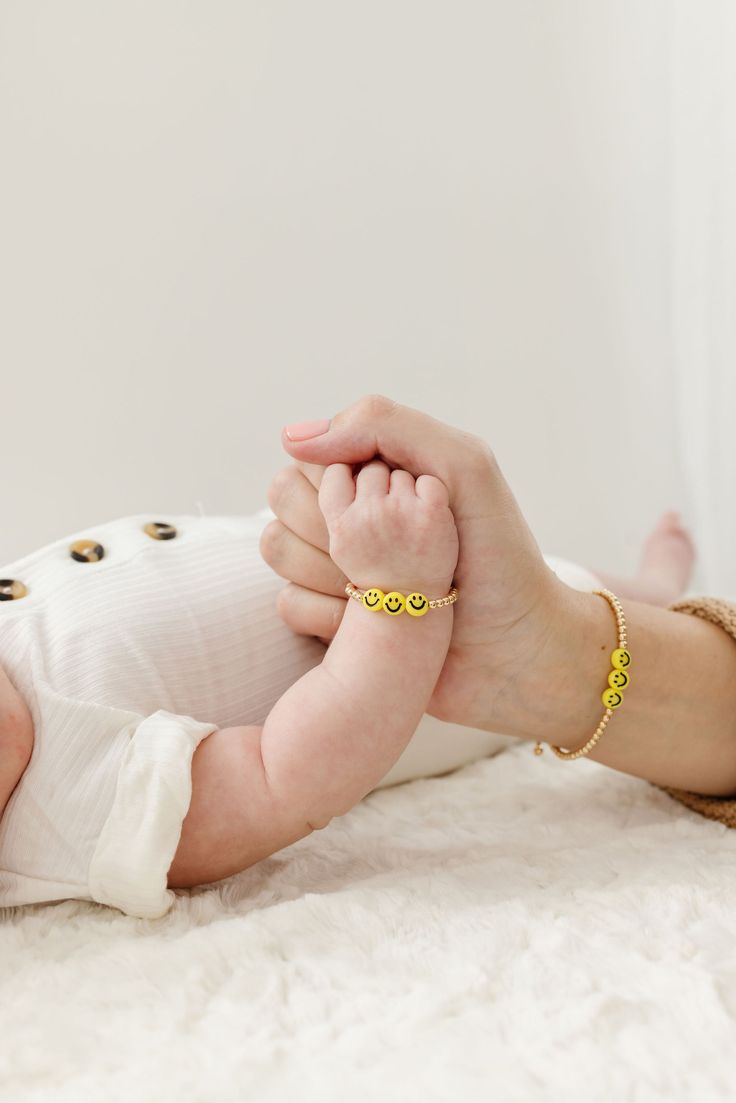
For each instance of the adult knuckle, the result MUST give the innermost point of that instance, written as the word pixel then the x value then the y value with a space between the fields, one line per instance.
pixel 480 452
pixel 368 408
pixel 271 543
pixel 281 487
pixel 375 406
pixel 286 601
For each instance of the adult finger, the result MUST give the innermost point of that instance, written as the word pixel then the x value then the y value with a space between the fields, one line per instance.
pixel 296 560
pixel 310 613
pixel 293 498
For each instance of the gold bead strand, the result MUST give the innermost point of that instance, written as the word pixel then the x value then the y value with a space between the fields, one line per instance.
pixel 620 660
pixel 435 603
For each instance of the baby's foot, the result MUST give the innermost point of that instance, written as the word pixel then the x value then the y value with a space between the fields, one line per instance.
pixel 667 558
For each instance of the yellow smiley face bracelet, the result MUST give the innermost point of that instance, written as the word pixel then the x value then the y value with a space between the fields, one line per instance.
pixel 394 603
pixel 618 679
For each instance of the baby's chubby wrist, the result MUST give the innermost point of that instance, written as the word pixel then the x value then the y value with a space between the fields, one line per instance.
pixel 425 630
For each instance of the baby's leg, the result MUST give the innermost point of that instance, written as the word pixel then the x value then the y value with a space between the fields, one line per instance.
pixel 665 565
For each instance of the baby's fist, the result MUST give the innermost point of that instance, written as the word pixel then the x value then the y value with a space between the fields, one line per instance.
pixel 388 529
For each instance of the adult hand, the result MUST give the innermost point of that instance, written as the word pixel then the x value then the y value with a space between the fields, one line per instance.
pixel 296 546
pixel 508 597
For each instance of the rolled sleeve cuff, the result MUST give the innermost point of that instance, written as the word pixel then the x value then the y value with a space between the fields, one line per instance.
pixel 138 841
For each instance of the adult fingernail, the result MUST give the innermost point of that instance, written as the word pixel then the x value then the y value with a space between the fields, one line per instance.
pixel 304 430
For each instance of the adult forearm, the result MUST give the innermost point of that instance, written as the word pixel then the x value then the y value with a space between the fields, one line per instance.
pixel 677 725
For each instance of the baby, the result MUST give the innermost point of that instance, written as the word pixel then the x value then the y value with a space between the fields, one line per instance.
pixel 160 727
pixel 125 647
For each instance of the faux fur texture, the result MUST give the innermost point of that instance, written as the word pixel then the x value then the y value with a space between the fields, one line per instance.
pixel 522 929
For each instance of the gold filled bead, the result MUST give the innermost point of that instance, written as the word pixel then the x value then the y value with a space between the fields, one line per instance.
pixel 618 679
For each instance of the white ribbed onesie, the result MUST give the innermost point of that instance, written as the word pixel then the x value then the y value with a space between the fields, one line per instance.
pixel 126 665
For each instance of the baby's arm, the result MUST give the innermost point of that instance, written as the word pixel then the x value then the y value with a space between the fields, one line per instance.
pixel 337 731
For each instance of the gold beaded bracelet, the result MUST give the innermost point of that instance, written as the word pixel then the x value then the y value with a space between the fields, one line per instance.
pixel 618 679
pixel 393 603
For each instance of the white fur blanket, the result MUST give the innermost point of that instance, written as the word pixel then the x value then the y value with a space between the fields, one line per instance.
pixel 522 929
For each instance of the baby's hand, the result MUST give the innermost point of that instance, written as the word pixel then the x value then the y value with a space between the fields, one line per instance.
pixel 389 530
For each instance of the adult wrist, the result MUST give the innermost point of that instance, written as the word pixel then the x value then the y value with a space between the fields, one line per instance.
pixel 555 694
pixel 684 686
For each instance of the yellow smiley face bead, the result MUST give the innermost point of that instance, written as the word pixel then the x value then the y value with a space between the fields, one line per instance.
pixel 394 603
pixel 620 658
pixel 417 605
pixel 612 698
pixel 618 679
pixel 373 599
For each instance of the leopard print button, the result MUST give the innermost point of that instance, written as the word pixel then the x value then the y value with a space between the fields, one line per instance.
pixel 11 589
pixel 86 551
pixel 160 530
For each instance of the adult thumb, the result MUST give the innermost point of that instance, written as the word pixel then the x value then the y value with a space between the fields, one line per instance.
pixel 402 437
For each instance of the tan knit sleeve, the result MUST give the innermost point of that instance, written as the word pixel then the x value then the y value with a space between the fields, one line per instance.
pixel 723 613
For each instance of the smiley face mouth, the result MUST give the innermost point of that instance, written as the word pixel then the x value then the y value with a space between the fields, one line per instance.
pixel 393 608
pixel 421 604
pixel 372 604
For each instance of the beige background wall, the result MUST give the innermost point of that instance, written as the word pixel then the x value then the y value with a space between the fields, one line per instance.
pixel 218 217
